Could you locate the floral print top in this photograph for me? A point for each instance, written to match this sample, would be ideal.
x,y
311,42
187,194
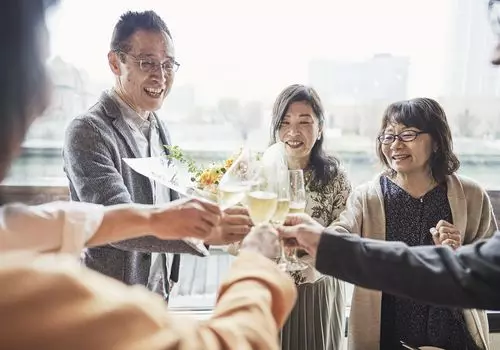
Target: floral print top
x,y
324,203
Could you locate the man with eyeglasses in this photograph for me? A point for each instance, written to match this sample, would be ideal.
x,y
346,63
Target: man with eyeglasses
x,y
468,277
123,124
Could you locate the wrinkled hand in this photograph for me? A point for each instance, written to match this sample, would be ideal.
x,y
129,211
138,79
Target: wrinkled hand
x,y
186,217
233,227
446,234
300,230
262,239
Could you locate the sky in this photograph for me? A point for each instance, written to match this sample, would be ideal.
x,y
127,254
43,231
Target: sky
x,y
252,49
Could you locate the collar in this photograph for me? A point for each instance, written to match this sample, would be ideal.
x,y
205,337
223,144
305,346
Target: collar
x,y
132,118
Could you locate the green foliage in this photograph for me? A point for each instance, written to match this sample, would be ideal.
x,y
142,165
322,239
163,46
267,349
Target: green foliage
x,y
175,152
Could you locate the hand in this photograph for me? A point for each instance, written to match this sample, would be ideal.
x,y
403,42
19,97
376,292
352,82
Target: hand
x,y
300,230
262,239
233,227
187,217
446,234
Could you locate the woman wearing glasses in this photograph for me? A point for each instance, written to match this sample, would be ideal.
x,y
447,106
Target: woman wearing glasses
x,y
317,320
419,200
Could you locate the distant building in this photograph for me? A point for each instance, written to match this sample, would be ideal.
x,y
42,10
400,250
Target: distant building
x,y
356,93
468,72
383,77
70,97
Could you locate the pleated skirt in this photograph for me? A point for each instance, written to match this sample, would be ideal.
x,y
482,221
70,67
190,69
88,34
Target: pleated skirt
x,y
318,319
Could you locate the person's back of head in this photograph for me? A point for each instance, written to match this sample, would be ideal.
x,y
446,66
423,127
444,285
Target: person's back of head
x,y
24,89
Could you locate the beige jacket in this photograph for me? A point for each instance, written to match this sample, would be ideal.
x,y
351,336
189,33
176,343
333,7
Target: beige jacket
x,y
49,302
472,215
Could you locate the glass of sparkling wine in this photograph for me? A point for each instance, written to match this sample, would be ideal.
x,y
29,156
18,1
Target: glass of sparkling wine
x,y
282,209
231,194
297,205
262,197
235,183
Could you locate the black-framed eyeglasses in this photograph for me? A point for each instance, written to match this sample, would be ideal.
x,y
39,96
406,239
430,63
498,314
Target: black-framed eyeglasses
x,y
494,16
148,66
405,136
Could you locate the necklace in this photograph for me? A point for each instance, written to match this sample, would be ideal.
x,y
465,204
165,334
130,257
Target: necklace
x,y
431,185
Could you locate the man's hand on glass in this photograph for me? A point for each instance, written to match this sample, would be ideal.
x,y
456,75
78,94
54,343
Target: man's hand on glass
x,y
187,217
234,225
301,231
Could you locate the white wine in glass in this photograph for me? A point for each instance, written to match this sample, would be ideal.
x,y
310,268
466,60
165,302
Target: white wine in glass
x,y
261,206
282,210
231,194
297,205
235,183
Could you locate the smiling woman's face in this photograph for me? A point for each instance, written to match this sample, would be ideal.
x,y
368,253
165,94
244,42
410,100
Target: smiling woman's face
x,y
299,129
408,157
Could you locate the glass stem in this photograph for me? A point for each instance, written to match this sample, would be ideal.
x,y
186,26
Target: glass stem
x,y
283,257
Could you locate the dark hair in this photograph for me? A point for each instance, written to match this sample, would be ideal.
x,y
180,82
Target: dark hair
x,y
131,22
427,115
323,166
24,90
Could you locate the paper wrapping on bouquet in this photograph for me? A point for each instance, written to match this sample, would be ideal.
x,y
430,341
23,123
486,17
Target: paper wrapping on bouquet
x,y
175,176
274,160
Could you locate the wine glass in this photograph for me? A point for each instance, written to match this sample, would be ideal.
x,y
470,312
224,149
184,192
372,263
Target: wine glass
x,y
262,197
282,209
261,200
235,183
275,158
297,205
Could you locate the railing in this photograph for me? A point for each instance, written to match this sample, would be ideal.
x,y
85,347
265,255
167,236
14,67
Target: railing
x,y
43,194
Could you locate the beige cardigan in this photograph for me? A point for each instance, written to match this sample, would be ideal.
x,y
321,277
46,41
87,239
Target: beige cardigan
x,y
49,302
473,216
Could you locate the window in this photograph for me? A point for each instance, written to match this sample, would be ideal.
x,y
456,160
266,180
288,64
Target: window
x,y
237,56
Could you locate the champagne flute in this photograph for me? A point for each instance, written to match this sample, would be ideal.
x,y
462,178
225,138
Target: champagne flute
x,y
282,208
262,198
297,205
235,183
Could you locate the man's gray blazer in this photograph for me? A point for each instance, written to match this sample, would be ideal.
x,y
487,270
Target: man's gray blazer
x,y
94,146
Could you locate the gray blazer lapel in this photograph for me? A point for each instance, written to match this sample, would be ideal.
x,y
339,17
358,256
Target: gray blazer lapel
x,y
164,135
113,111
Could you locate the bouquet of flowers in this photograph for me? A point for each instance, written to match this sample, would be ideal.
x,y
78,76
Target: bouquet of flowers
x,y
205,179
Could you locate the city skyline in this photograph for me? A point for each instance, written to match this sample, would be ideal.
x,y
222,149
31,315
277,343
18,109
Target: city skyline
x,y
252,52
469,44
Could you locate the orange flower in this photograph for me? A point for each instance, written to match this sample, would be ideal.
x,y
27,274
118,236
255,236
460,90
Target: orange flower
x,y
211,176
228,163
